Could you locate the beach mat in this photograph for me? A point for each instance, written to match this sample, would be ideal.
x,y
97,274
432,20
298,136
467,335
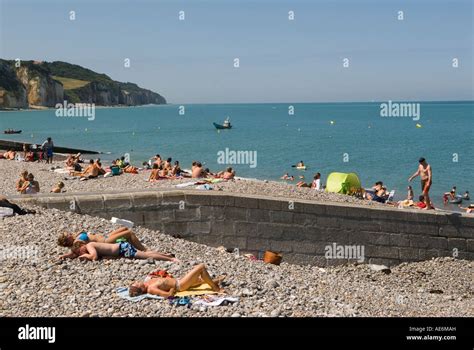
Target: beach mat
x,y
123,293
201,289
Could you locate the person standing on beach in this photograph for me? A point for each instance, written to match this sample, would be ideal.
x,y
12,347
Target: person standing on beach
x,y
47,148
426,175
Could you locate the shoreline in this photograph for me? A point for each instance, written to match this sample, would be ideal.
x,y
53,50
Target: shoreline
x,y
10,170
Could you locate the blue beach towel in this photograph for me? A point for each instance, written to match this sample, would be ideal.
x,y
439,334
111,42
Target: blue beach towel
x,y
123,293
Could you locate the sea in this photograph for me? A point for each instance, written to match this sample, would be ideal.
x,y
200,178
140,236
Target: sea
x,y
375,140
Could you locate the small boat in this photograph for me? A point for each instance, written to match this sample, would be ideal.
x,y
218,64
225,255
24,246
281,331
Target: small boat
x,y
226,125
10,131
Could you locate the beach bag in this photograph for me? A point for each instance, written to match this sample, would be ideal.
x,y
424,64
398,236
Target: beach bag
x,y
272,258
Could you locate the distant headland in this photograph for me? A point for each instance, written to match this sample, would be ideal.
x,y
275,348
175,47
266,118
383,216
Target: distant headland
x,y
38,84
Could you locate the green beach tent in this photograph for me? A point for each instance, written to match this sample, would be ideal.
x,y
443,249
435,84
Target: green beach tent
x,y
342,182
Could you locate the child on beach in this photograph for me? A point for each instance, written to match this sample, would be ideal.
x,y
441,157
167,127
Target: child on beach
x,y
58,188
167,286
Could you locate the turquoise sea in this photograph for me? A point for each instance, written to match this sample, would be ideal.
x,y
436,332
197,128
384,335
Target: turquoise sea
x,y
358,140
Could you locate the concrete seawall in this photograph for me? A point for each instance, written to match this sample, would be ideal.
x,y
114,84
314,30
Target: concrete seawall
x,y
301,230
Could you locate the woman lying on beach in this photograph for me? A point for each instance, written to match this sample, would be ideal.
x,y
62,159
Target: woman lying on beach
x,y
10,154
167,286
68,239
93,251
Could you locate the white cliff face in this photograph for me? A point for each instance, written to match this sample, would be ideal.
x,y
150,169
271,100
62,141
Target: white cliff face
x,y
44,91
32,85
32,88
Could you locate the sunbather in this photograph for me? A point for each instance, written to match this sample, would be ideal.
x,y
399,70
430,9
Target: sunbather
x,y
58,188
228,174
93,251
23,178
168,286
469,209
31,186
198,171
4,202
68,239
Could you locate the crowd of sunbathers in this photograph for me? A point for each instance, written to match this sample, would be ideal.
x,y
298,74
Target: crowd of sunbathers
x,y
124,243
167,170
32,153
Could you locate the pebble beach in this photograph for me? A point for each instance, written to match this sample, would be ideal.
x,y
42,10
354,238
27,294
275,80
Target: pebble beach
x,y
44,286
10,172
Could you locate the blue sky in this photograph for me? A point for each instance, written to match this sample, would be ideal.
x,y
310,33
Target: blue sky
x,y
191,61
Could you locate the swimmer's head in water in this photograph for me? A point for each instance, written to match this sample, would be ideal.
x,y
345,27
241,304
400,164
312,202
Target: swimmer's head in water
x,y
421,160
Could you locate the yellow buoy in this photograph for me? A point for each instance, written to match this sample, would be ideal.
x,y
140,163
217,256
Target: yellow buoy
x,y
418,125
332,122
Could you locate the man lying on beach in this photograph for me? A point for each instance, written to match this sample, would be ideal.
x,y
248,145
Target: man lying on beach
x,y
93,251
426,176
168,286
68,239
